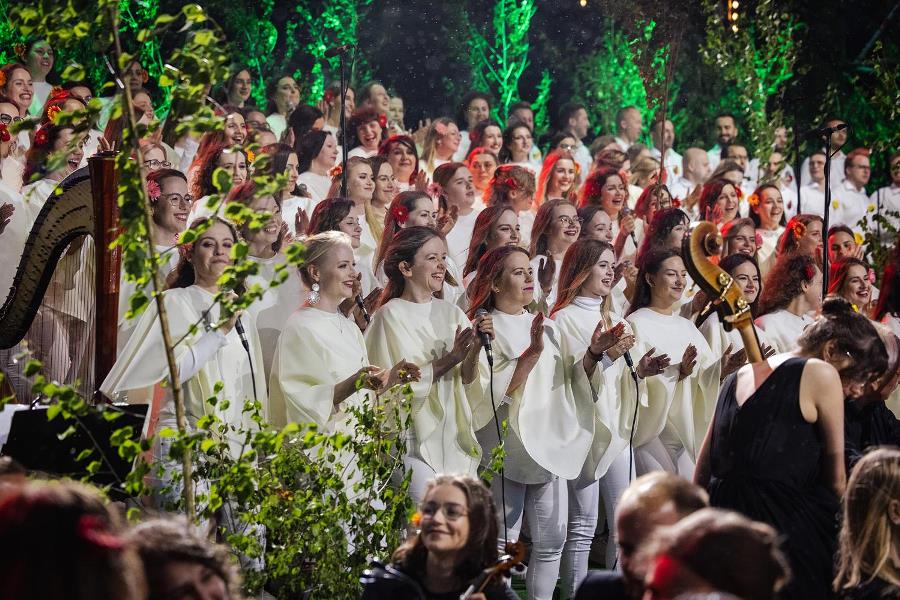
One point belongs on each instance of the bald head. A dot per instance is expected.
(695, 164)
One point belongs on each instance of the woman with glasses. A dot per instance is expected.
(153, 156)
(556, 227)
(455, 541)
(170, 204)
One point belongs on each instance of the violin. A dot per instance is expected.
(515, 554)
(726, 298)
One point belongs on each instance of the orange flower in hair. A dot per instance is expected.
(2, 79)
(52, 113)
(799, 229)
(752, 200)
(251, 156)
(336, 171)
(416, 518)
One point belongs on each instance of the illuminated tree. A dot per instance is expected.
(497, 66)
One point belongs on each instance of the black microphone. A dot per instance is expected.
(630, 364)
(625, 212)
(823, 131)
(485, 339)
(331, 52)
(240, 330)
(362, 306)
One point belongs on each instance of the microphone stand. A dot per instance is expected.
(827, 212)
(342, 56)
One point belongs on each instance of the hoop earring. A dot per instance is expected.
(314, 294)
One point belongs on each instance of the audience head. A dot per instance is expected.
(719, 201)
(18, 87)
(522, 112)
(373, 96)
(416, 256)
(726, 129)
(889, 296)
(231, 160)
(170, 202)
(482, 163)
(401, 152)
(573, 118)
(841, 243)
(740, 237)
(512, 185)
(517, 142)
(558, 178)
(767, 207)
(661, 280)
(203, 261)
(745, 271)
(486, 134)
(695, 164)
(284, 95)
(654, 197)
(793, 276)
(665, 232)
(588, 269)
(629, 123)
(407, 209)
(662, 134)
(852, 279)
(333, 214)
(605, 188)
(596, 223)
(556, 223)
(366, 129)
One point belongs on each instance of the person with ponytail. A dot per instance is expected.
(411, 324)
(207, 356)
(767, 213)
(318, 384)
(513, 186)
(775, 447)
(556, 227)
(532, 387)
(267, 250)
(792, 294)
(583, 314)
(677, 405)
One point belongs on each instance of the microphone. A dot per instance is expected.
(362, 306)
(624, 213)
(630, 363)
(331, 52)
(239, 327)
(823, 131)
(485, 339)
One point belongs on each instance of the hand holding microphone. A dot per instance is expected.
(627, 224)
(485, 328)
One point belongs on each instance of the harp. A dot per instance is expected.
(83, 205)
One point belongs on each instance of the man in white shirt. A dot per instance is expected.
(849, 199)
(726, 133)
(888, 199)
(695, 165)
(573, 119)
(812, 192)
(663, 134)
(775, 171)
(838, 139)
(629, 124)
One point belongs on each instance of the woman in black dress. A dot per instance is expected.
(775, 448)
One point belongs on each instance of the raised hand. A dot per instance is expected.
(650, 365)
(732, 361)
(546, 270)
(463, 341)
(421, 182)
(301, 222)
(626, 224)
(447, 220)
(401, 373)
(537, 336)
(767, 351)
(601, 340)
(688, 362)
(6, 213)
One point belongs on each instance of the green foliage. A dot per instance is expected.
(498, 65)
(540, 105)
(757, 61)
(881, 227)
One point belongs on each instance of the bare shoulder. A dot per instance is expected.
(823, 380)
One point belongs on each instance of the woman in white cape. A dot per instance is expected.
(321, 353)
(677, 405)
(595, 339)
(205, 357)
(434, 334)
(551, 427)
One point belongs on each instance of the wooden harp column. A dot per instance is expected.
(104, 191)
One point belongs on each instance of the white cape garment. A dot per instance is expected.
(441, 416)
(613, 388)
(783, 328)
(142, 363)
(551, 426)
(316, 351)
(686, 406)
(719, 339)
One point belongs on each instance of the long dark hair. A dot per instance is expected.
(307, 147)
(484, 223)
(650, 265)
(490, 267)
(403, 248)
(543, 220)
(505, 154)
(576, 267)
(328, 215)
(783, 283)
(279, 153)
(754, 214)
(664, 221)
(183, 274)
(480, 550)
(393, 218)
(302, 119)
(733, 261)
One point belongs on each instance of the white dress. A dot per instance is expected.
(316, 351)
(551, 428)
(168, 259)
(683, 408)
(460, 236)
(783, 328)
(765, 254)
(277, 123)
(142, 364)
(316, 185)
(442, 433)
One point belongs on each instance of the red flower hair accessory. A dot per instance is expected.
(382, 120)
(336, 171)
(400, 213)
(509, 183)
(870, 275)
(759, 240)
(2, 79)
(434, 190)
(676, 202)
(329, 96)
(52, 112)
(41, 137)
(440, 128)
(739, 192)
(93, 530)
(798, 228)
(4, 133)
(623, 175)
(153, 190)
(809, 272)
(665, 570)
(416, 518)
(752, 200)
(472, 136)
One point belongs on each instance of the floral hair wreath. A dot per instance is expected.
(798, 228)
(400, 213)
(153, 190)
(336, 171)
(4, 133)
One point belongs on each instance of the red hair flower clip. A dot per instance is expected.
(336, 171)
(870, 275)
(440, 128)
(4, 133)
(153, 190)
(2, 79)
(623, 175)
(94, 531)
(434, 190)
(472, 136)
(400, 213)
(52, 112)
(510, 184)
(759, 240)
(799, 229)
(329, 96)
(676, 202)
(739, 192)
(382, 120)
(41, 137)
(752, 200)
(809, 271)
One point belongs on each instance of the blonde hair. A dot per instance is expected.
(865, 542)
(429, 144)
(376, 227)
(317, 246)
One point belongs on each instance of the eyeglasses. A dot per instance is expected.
(175, 200)
(7, 119)
(452, 510)
(566, 220)
(157, 164)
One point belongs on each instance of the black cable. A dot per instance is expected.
(499, 441)
(637, 402)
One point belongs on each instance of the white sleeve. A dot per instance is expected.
(190, 362)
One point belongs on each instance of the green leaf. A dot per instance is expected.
(84, 454)
(32, 367)
(53, 411)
